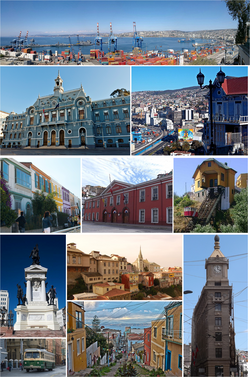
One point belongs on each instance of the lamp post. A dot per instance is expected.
(220, 79)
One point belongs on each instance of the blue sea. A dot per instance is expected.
(125, 44)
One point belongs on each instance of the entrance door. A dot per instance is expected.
(82, 136)
(61, 136)
(29, 142)
(211, 184)
(70, 364)
(70, 143)
(125, 216)
(53, 138)
(105, 216)
(45, 138)
(168, 361)
(114, 216)
(82, 140)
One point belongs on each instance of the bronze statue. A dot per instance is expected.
(52, 296)
(35, 255)
(19, 293)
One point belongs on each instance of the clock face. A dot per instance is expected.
(217, 269)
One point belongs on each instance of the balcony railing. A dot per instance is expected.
(231, 119)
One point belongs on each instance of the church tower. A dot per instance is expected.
(58, 88)
(213, 346)
(140, 262)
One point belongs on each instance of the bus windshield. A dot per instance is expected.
(32, 355)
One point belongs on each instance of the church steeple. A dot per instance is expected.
(58, 88)
(140, 261)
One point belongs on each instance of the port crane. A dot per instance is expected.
(137, 40)
(112, 41)
(15, 42)
(98, 39)
(79, 44)
(26, 39)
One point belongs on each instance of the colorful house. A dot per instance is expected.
(147, 345)
(66, 202)
(157, 359)
(148, 203)
(76, 337)
(57, 190)
(173, 338)
(212, 175)
(131, 281)
(242, 181)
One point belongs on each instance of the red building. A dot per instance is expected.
(147, 345)
(146, 279)
(146, 203)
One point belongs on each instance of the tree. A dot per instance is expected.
(8, 215)
(92, 337)
(145, 269)
(156, 282)
(203, 229)
(185, 146)
(120, 93)
(42, 203)
(239, 10)
(239, 214)
(96, 324)
(203, 61)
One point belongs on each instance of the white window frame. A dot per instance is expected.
(118, 200)
(140, 211)
(167, 216)
(140, 199)
(105, 202)
(167, 191)
(126, 199)
(78, 348)
(152, 215)
(152, 193)
(93, 216)
(111, 201)
(97, 216)
(93, 204)
(83, 340)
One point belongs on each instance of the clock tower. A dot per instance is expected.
(213, 345)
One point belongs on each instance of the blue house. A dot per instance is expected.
(70, 119)
(229, 132)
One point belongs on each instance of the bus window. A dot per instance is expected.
(35, 355)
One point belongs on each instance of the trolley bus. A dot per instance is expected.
(40, 359)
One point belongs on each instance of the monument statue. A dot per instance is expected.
(52, 296)
(24, 299)
(19, 293)
(35, 255)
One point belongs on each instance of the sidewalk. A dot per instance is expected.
(86, 371)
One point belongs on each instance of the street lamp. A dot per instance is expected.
(220, 79)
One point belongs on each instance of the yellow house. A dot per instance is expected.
(57, 189)
(242, 181)
(211, 174)
(157, 359)
(101, 289)
(76, 337)
(173, 338)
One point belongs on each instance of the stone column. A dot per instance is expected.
(65, 115)
(50, 116)
(43, 118)
(43, 291)
(28, 291)
(57, 115)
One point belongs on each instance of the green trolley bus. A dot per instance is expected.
(40, 359)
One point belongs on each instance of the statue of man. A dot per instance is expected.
(52, 292)
(35, 255)
(19, 293)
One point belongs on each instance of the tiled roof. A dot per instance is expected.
(235, 85)
(115, 292)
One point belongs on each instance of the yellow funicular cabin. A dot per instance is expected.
(40, 359)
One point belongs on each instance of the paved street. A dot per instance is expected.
(90, 227)
(57, 372)
(70, 152)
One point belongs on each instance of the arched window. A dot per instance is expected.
(108, 130)
(128, 128)
(98, 130)
(10, 136)
(118, 129)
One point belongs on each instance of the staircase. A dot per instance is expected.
(208, 205)
(213, 197)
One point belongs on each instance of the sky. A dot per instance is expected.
(165, 250)
(65, 171)
(163, 78)
(96, 170)
(15, 251)
(184, 170)
(197, 248)
(118, 315)
(20, 86)
(159, 15)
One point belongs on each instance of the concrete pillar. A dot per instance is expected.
(43, 291)
(43, 118)
(57, 115)
(28, 291)
(50, 116)
(65, 115)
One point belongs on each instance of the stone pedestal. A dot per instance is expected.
(36, 313)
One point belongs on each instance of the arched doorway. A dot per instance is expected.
(82, 136)
(61, 137)
(70, 143)
(29, 138)
(125, 216)
(114, 216)
(53, 138)
(105, 216)
(45, 138)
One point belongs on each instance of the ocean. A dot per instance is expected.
(125, 44)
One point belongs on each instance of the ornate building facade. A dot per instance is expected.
(70, 119)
